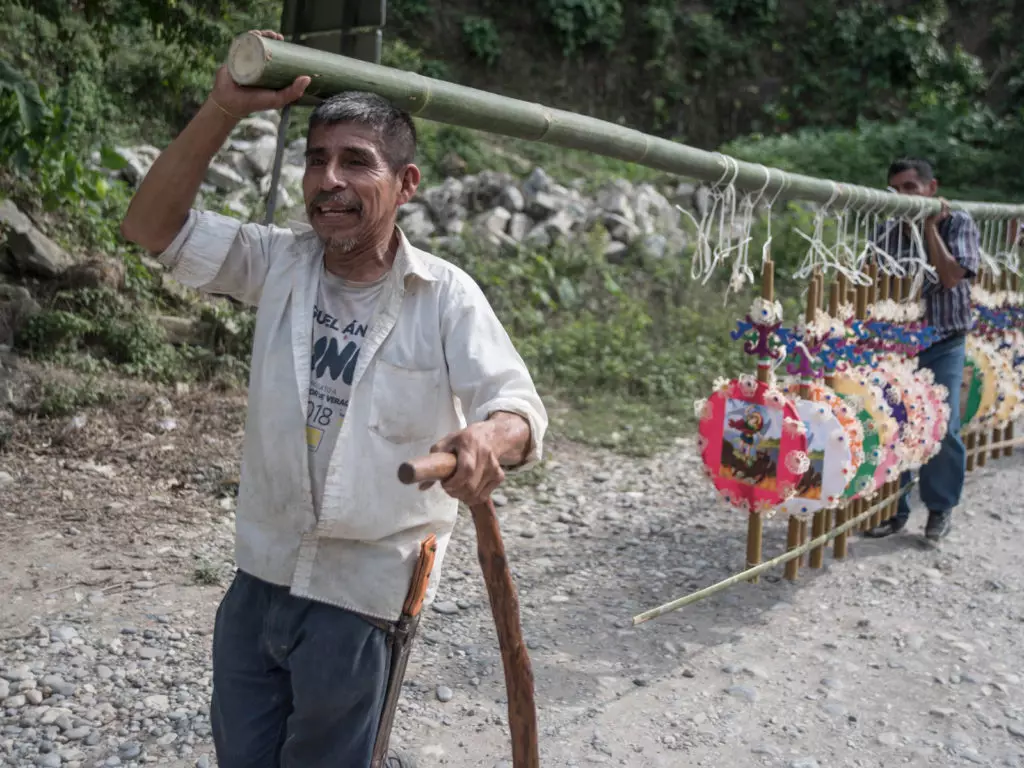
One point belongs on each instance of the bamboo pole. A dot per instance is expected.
(860, 312)
(755, 522)
(997, 434)
(267, 63)
(837, 295)
(885, 289)
(1007, 445)
(795, 527)
(752, 573)
(816, 555)
(1014, 285)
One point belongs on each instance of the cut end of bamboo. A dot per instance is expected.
(247, 59)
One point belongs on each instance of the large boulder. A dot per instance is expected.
(30, 250)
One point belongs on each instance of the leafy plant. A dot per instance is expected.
(481, 38)
(583, 23)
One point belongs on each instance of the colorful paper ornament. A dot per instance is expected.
(753, 444)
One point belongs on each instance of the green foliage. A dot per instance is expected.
(481, 38)
(580, 24)
(96, 329)
(974, 155)
(57, 398)
(400, 55)
(640, 333)
(44, 153)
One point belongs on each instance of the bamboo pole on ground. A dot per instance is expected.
(755, 522)
(752, 573)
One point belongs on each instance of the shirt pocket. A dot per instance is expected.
(404, 403)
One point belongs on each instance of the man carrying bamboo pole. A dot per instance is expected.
(367, 353)
(951, 240)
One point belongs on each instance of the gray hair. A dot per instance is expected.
(394, 127)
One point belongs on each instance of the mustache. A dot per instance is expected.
(324, 198)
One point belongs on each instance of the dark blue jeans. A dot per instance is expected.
(296, 683)
(942, 478)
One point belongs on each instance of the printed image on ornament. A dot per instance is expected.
(970, 392)
(831, 464)
(753, 446)
(750, 444)
(864, 480)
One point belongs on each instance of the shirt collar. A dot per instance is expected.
(409, 260)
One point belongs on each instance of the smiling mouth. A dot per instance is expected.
(334, 211)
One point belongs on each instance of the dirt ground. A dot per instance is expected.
(117, 534)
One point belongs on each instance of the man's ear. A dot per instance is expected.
(933, 186)
(410, 178)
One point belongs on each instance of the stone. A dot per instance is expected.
(744, 692)
(256, 127)
(179, 330)
(137, 163)
(559, 225)
(224, 177)
(444, 694)
(541, 205)
(493, 222)
(63, 634)
(614, 251)
(518, 226)
(157, 702)
(446, 608)
(261, 155)
(95, 273)
(32, 251)
(512, 199)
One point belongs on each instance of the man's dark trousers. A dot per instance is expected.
(942, 478)
(296, 683)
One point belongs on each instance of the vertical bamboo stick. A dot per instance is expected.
(885, 288)
(982, 439)
(1013, 284)
(861, 310)
(755, 523)
(794, 532)
(839, 294)
(997, 434)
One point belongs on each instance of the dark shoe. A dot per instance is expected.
(939, 525)
(398, 759)
(888, 528)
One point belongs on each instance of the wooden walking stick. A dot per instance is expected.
(522, 712)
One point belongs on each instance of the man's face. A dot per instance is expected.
(909, 183)
(351, 193)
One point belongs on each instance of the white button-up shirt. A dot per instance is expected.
(435, 356)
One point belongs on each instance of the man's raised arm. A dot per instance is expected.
(161, 205)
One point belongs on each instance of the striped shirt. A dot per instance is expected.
(946, 310)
